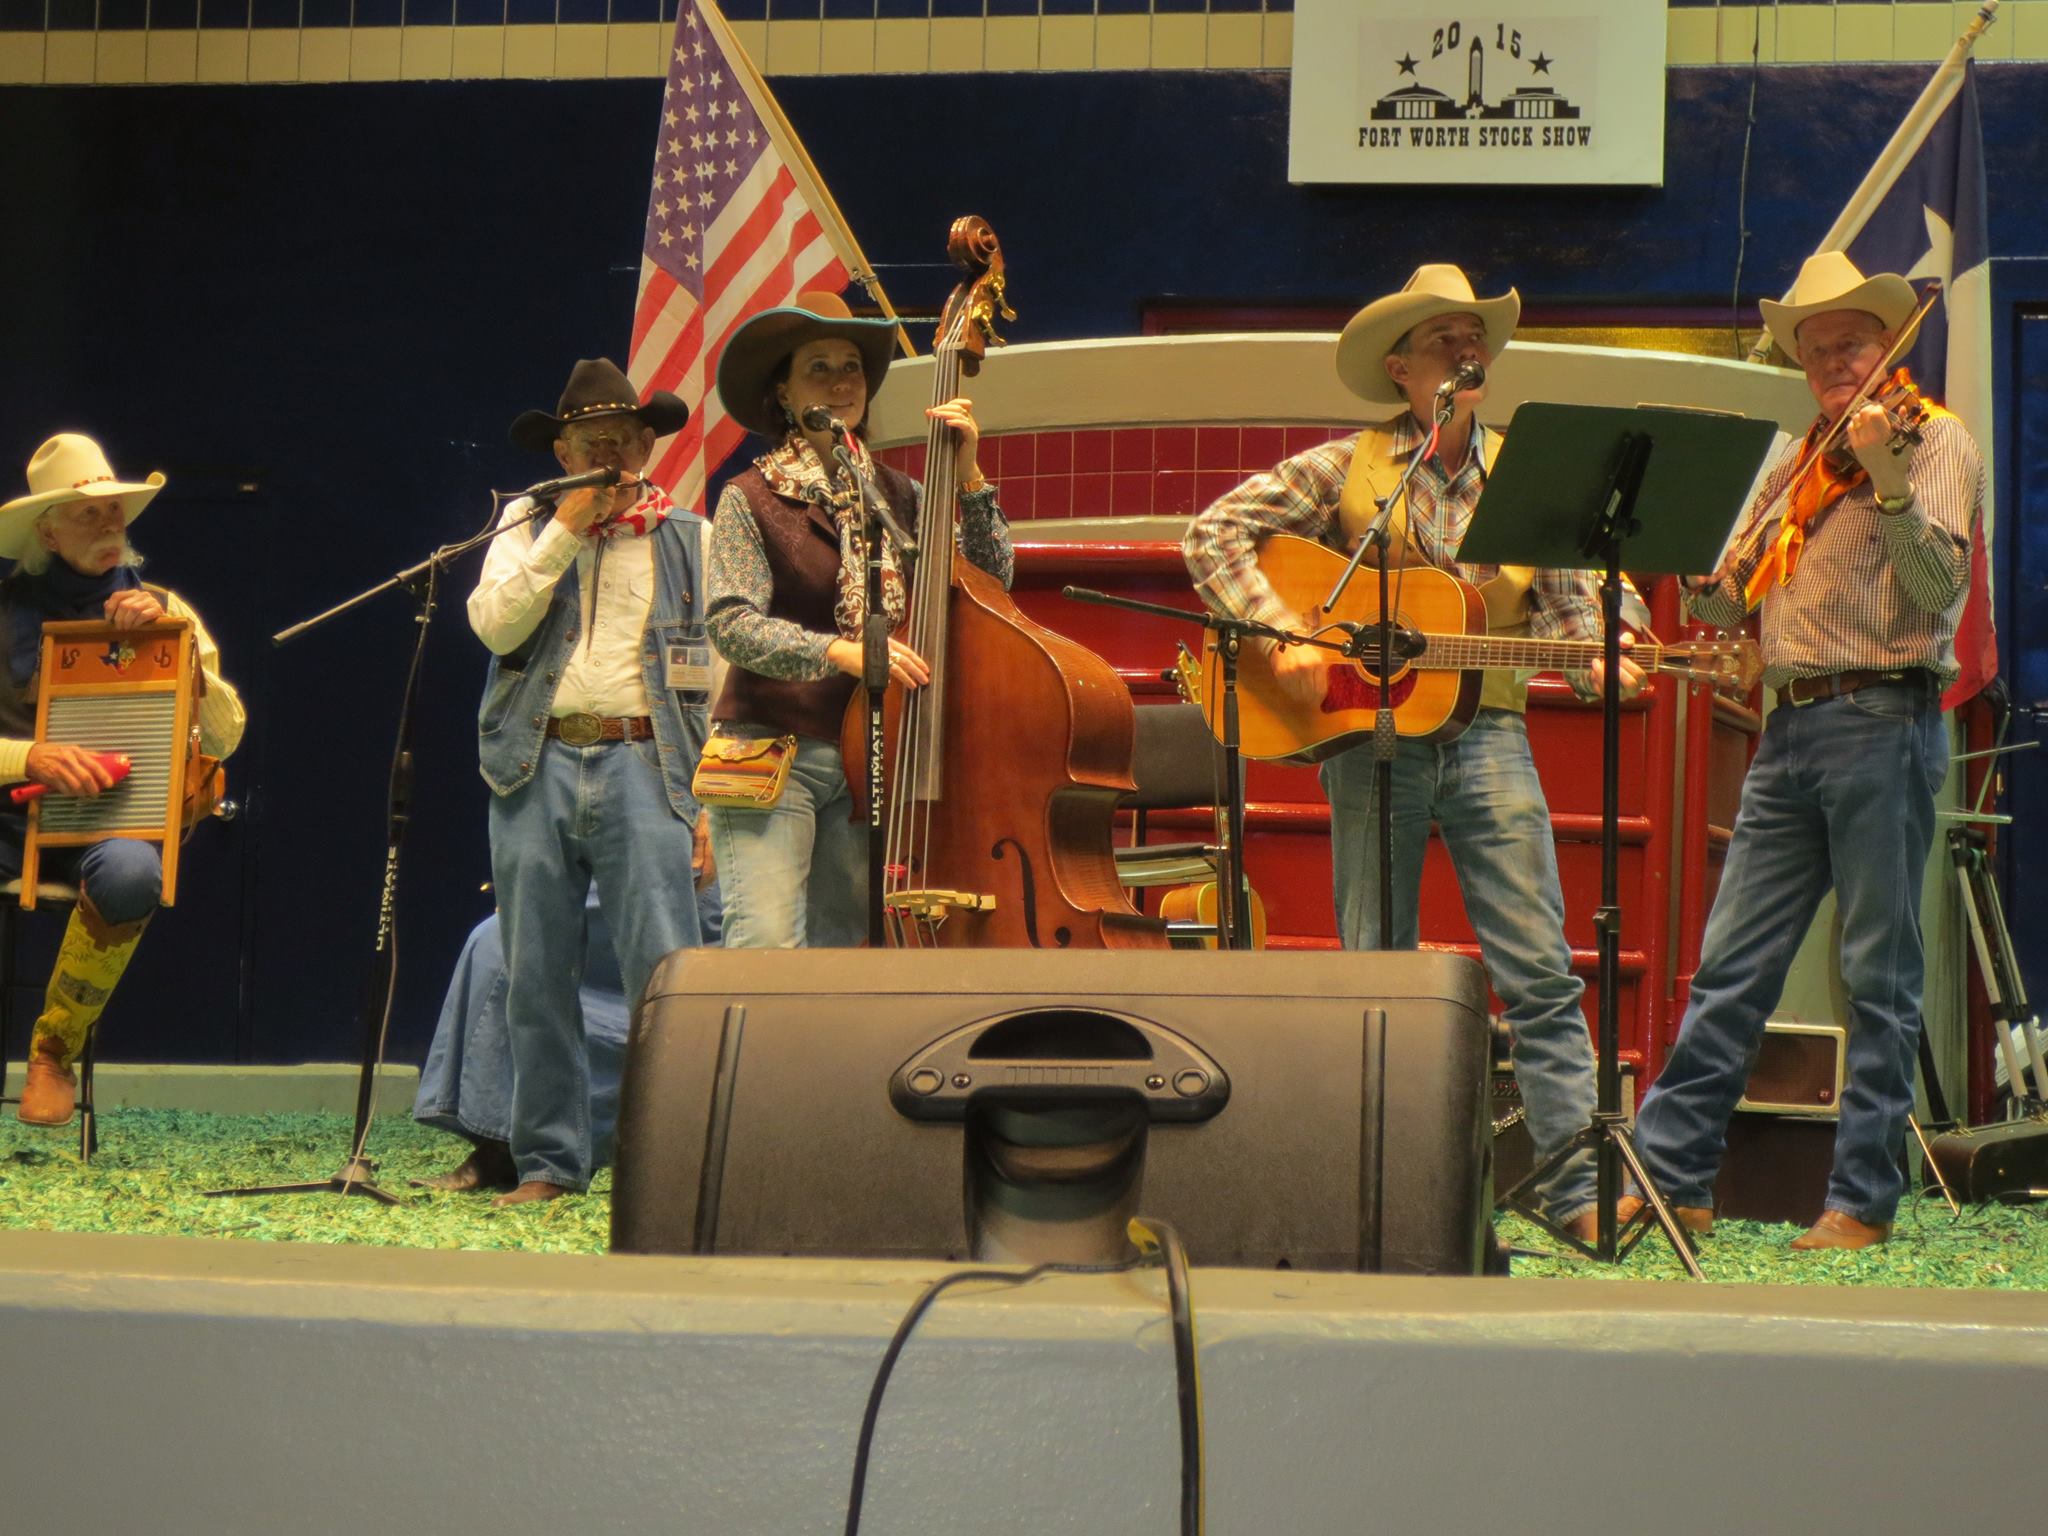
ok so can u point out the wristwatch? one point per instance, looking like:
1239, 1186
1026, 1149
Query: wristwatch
1891, 506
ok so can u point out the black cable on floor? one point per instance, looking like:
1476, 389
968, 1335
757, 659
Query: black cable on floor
1158, 1244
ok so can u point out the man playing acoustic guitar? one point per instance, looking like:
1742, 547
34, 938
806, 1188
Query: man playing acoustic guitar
1480, 786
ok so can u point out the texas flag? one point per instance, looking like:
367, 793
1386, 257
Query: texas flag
1920, 212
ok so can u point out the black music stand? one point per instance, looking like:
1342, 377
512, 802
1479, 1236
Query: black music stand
1573, 486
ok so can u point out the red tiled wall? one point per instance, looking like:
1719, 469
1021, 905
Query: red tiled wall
1123, 471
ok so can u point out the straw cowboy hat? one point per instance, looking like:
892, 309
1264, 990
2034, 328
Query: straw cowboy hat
1829, 280
757, 350
1436, 289
598, 387
69, 467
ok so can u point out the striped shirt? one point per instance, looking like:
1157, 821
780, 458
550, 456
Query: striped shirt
1300, 496
1873, 591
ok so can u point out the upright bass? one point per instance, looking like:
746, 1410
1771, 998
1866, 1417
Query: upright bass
1005, 769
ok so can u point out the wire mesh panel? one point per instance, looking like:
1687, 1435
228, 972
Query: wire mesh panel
126, 692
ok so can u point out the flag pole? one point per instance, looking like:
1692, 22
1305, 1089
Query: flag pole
810, 182
1931, 103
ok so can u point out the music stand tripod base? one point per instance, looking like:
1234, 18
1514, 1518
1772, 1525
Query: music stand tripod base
1565, 494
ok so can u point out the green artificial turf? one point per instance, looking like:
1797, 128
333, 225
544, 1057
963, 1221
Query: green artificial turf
154, 1167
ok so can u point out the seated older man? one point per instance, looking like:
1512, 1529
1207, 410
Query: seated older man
68, 538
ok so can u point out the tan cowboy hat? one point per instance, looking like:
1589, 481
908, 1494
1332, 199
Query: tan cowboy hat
69, 467
759, 348
1829, 280
1436, 289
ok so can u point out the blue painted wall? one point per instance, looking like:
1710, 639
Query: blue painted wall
317, 308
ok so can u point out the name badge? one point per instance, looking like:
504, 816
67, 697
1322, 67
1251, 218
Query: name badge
689, 668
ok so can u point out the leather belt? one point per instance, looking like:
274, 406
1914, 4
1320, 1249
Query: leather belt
581, 730
1832, 685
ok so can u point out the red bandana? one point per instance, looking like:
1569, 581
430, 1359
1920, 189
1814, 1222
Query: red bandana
646, 515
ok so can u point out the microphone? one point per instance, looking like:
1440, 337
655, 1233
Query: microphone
1467, 375
548, 490
818, 419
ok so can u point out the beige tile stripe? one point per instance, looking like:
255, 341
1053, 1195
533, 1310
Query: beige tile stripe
1846, 33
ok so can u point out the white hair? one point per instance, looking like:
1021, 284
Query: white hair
35, 559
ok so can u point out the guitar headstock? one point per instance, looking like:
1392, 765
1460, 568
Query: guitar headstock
968, 324
1730, 665
1187, 675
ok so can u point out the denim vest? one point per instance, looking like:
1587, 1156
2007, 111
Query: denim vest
519, 689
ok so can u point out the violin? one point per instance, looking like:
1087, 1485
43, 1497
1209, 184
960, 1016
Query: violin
1828, 468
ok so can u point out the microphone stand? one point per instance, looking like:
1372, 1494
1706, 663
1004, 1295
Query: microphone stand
877, 523
1385, 739
358, 1172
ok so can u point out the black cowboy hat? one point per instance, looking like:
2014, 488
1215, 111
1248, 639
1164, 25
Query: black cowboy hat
760, 347
596, 388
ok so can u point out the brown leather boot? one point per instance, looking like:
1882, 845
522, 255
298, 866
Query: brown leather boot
51, 1091
1838, 1229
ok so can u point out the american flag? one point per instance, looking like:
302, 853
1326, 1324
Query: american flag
730, 232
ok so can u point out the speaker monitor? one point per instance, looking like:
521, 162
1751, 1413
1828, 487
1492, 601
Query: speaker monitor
1314, 1110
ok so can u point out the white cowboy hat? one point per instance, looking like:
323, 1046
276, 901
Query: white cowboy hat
1436, 289
69, 467
1829, 280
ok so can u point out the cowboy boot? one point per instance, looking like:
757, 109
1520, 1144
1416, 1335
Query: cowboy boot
90, 961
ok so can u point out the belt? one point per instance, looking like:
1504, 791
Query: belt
1832, 685
581, 730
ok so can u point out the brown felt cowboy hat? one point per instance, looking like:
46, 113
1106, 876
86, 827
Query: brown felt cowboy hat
597, 387
69, 467
1828, 280
759, 348
1436, 289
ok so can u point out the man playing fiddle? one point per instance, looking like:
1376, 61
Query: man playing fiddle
1480, 788
1860, 584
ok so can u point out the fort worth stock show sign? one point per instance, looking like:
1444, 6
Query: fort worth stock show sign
1558, 91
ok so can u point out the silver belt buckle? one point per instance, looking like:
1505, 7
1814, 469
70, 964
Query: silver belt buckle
581, 729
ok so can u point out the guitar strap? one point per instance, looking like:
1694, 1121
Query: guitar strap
1375, 470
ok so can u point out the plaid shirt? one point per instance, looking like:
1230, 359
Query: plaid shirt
1873, 591
1300, 496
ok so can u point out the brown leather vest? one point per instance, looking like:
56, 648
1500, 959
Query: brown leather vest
802, 547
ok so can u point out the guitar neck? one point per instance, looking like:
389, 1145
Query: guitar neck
1465, 653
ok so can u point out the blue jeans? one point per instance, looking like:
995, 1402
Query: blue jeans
795, 875
1841, 794
123, 876
1482, 791
466, 1081
595, 813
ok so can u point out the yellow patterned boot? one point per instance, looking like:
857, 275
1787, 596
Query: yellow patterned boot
89, 962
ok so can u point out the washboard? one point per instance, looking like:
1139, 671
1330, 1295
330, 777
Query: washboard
116, 690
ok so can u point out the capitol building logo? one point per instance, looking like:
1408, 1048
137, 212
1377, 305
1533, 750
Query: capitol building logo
1526, 115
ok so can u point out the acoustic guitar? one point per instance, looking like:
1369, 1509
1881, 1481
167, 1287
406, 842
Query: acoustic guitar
1436, 693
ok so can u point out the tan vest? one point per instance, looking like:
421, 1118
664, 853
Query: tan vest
1375, 470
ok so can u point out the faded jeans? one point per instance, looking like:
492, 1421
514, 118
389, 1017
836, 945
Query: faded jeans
1841, 794
794, 875
1482, 791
